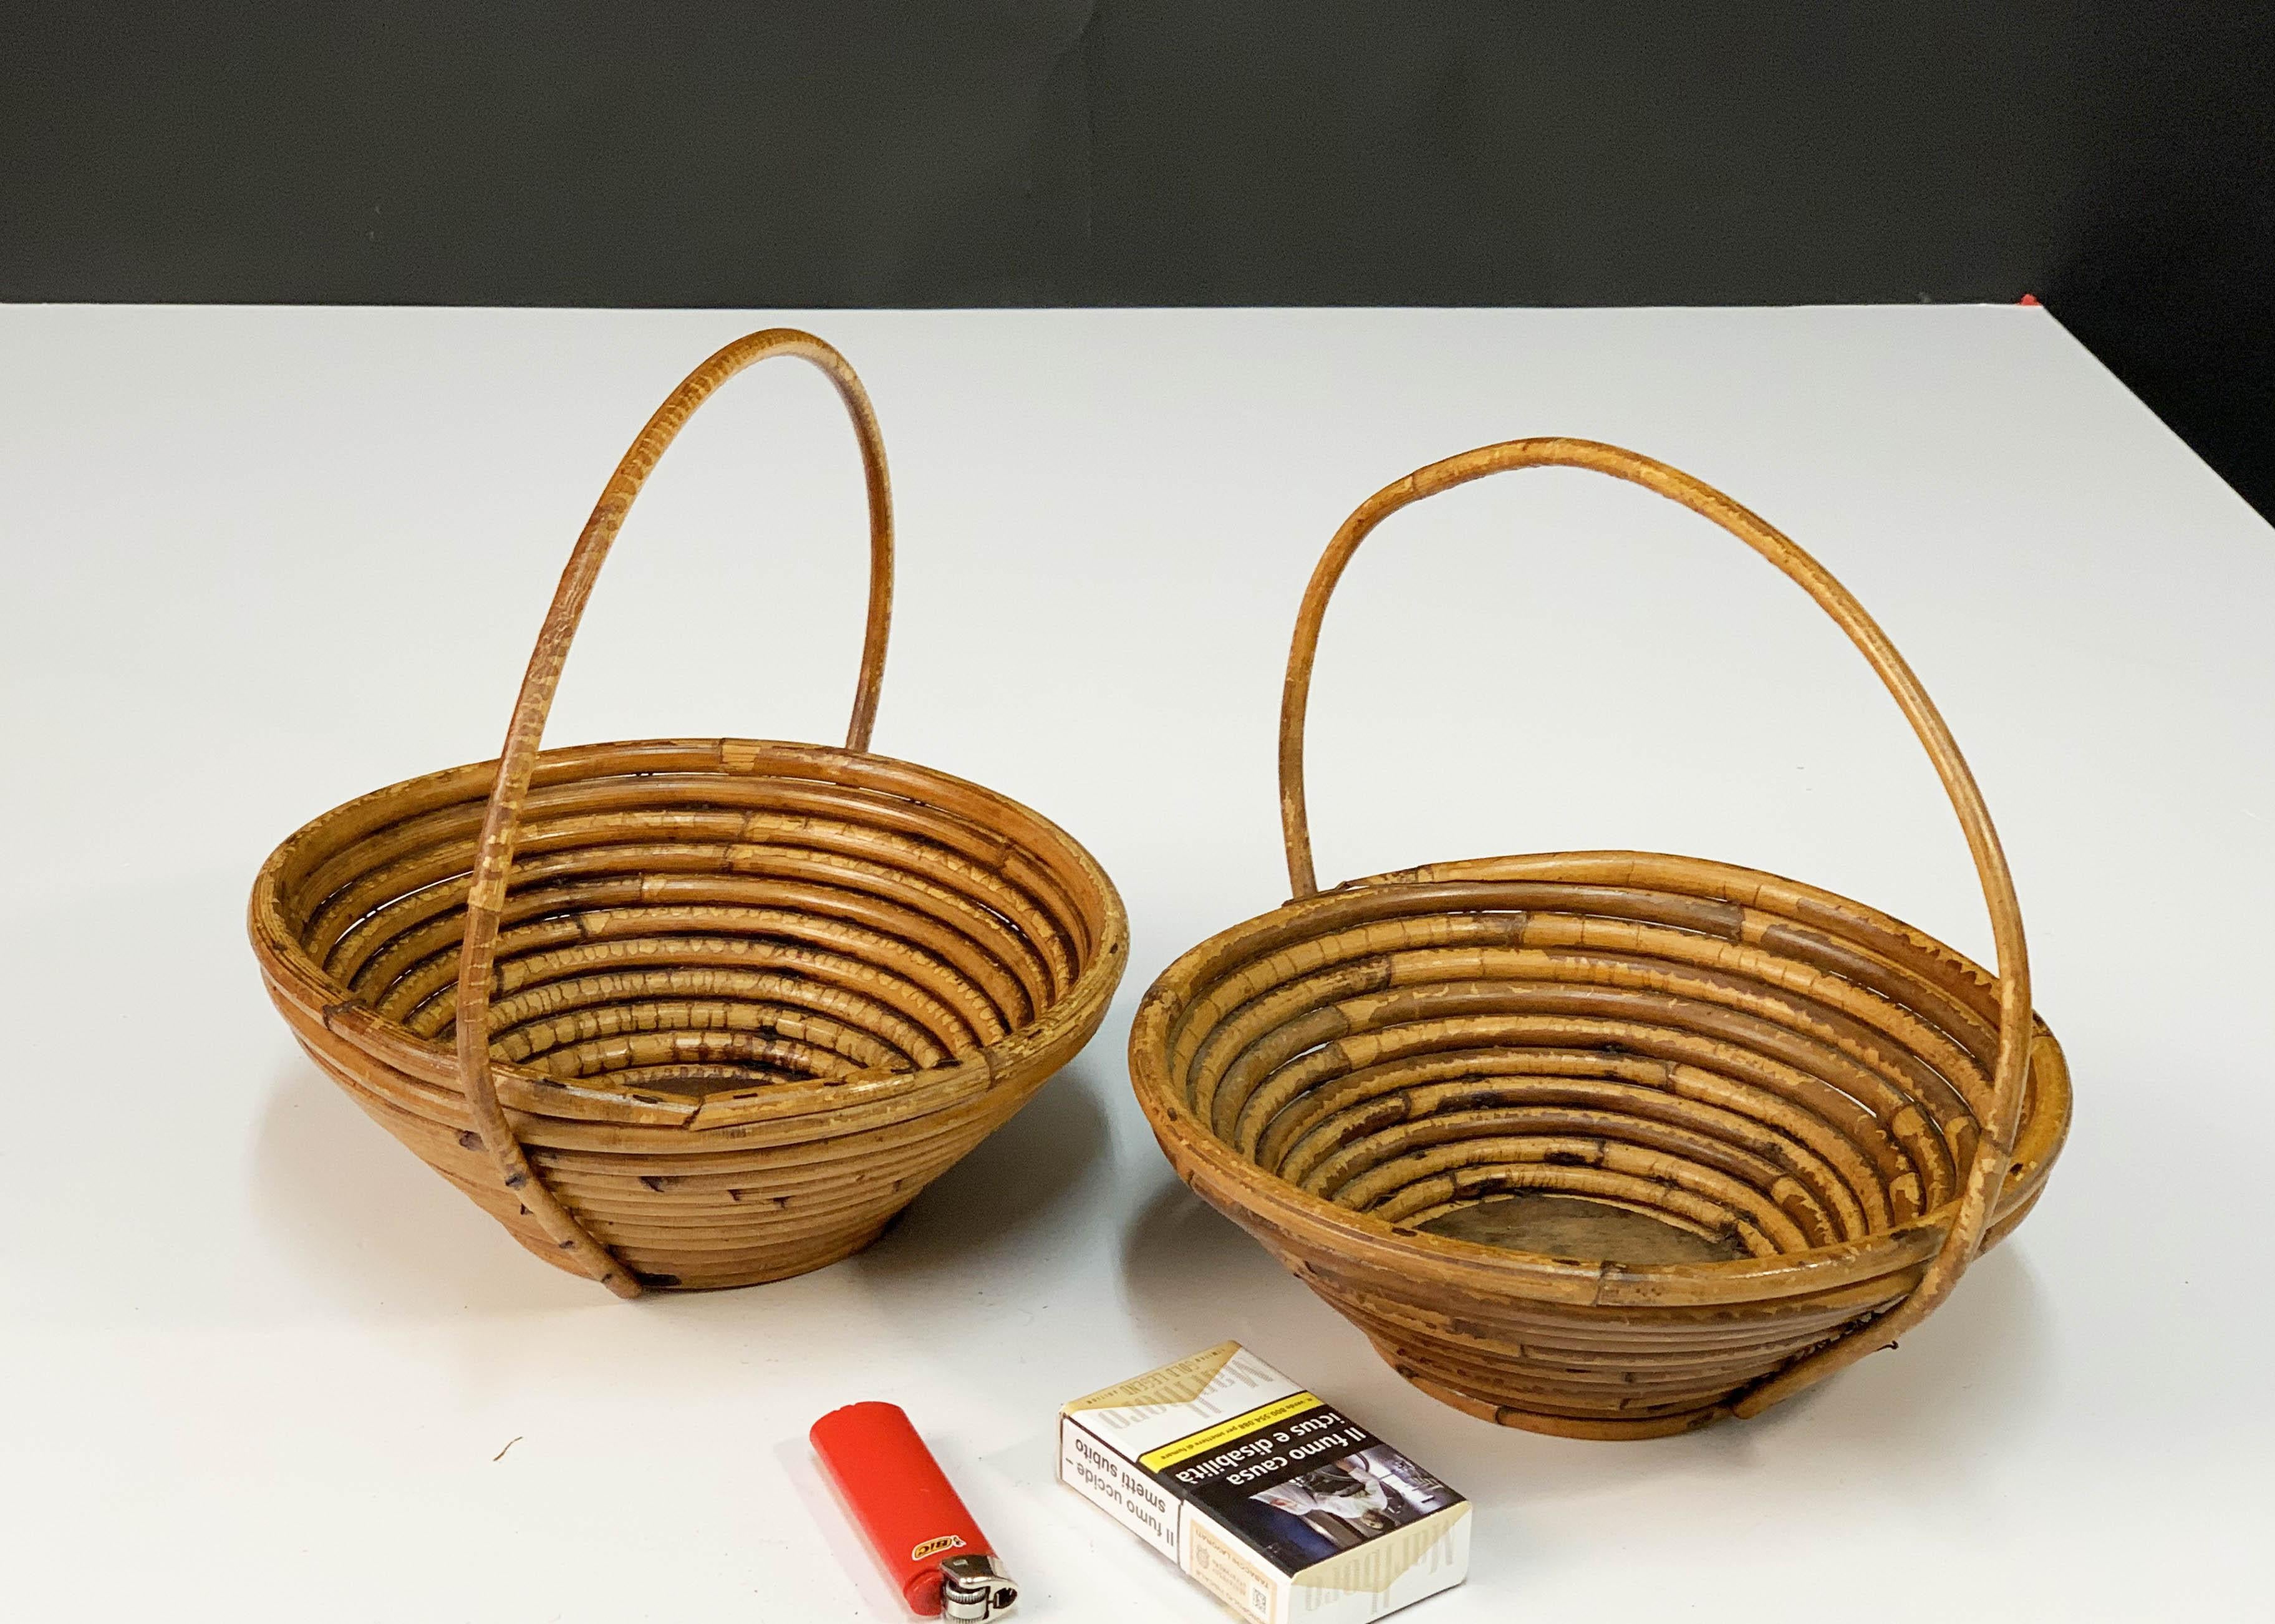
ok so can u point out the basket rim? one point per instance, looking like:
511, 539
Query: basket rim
282, 957
1814, 1270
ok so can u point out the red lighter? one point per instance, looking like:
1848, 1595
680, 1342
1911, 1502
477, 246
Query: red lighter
924, 1538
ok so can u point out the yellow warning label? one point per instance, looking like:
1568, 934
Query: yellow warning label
1226, 1432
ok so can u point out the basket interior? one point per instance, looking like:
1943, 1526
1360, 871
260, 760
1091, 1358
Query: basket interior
1577, 1227
698, 917
1605, 1057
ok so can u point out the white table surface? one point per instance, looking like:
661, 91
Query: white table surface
260, 1363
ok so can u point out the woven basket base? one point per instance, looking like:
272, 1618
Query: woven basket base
832, 1249
1554, 1426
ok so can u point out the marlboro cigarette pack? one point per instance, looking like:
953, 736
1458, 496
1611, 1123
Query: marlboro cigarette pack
1274, 1500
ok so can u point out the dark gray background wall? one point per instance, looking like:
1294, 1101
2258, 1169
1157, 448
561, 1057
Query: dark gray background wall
2116, 158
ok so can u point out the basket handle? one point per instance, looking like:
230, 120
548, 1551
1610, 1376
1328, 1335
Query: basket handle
501, 825
1988, 1171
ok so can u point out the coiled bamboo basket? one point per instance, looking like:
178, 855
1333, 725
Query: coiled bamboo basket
690, 1013
1607, 1145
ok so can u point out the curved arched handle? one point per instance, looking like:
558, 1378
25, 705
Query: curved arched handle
2010, 1073
501, 826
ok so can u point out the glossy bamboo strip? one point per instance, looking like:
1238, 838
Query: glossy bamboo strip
1834, 1110
689, 1012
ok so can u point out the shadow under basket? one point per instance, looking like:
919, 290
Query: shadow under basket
735, 1002
1606, 1144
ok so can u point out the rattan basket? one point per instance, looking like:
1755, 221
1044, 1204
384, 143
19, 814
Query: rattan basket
1608, 1144
690, 1013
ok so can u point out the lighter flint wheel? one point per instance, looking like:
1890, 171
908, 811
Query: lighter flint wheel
690, 1013
1607, 1145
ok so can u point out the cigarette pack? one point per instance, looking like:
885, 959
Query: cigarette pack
1274, 1500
